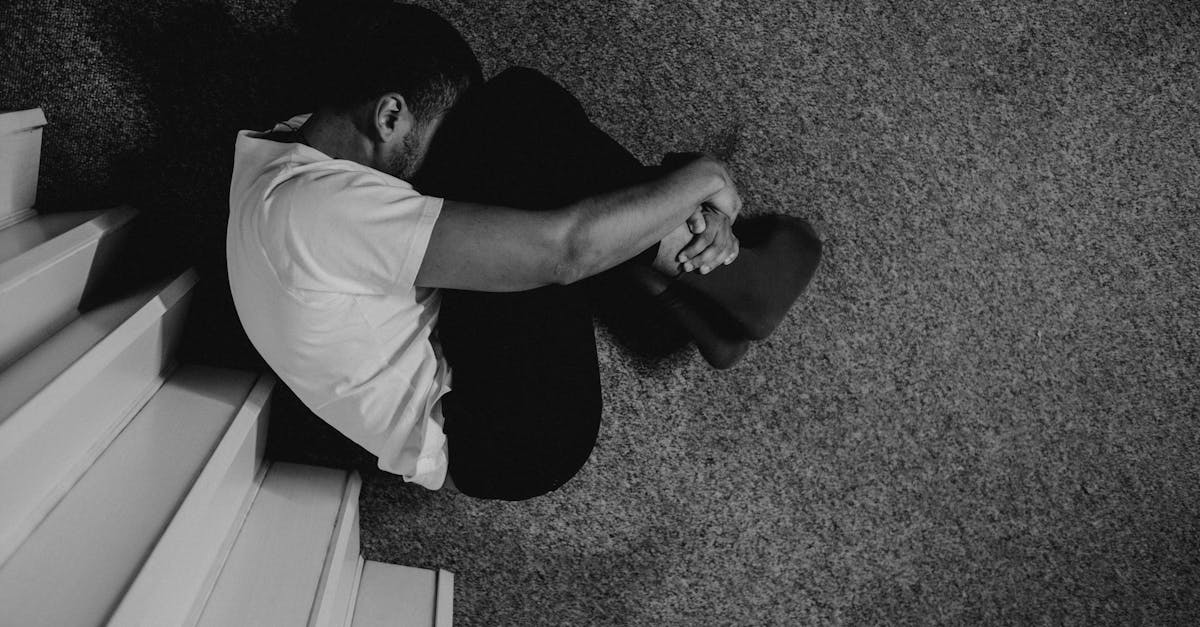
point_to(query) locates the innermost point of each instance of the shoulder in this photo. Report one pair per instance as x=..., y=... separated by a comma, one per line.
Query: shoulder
x=335, y=193
x=341, y=179
x=343, y=227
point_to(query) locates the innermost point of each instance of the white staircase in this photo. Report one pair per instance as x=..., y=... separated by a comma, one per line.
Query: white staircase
x=63, y=252
x=20, y=156
x=136, y=493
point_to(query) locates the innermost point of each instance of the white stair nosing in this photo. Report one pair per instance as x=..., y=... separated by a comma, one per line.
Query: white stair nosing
x=348, y=584
x=339, y=560
x=26, y=265
x=348, y=619
x=15, y=121
x=126, y=499
x=25, y=379
x=33, y=238
x=16, y=427
x=174, y=574
x=42, y=286
x=10, y=540
x=443, y=611
x=31, y=494
x=227, y=544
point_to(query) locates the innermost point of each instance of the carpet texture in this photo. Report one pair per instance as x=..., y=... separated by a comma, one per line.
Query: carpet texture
x=984, y=410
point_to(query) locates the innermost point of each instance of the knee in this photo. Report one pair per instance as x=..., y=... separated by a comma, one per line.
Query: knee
x=533, y=92
x=559, y=452
x=521, y=466
x=542, y=472
x=561, y=462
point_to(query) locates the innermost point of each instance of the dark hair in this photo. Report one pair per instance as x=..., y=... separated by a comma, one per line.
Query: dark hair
x=362, y=49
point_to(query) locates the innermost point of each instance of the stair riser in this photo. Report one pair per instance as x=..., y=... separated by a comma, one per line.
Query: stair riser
x=274, y=572
x=37, y=470
x=35, y=308
x=20, y=158
x=398, y=596
x=188, y=553
x=348, y=581
x=348, y=621
x=64, y=574
x=333, y=595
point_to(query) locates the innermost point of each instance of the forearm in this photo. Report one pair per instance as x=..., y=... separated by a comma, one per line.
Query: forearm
x=610, y=228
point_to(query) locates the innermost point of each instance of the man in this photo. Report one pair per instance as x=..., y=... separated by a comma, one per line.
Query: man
x=445, y=327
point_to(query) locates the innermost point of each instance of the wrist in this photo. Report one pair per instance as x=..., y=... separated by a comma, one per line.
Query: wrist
x=721, y=194
x=706, y=177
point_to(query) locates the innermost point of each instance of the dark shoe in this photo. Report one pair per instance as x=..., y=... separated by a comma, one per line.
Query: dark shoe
x=779, y=256
x=708, y=328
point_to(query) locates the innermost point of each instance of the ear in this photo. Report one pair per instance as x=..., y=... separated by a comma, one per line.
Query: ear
x=392, y=118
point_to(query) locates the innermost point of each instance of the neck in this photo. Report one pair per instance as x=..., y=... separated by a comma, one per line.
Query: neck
x=336, y=135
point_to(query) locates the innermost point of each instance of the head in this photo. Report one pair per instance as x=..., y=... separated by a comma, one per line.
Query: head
x=392, y=70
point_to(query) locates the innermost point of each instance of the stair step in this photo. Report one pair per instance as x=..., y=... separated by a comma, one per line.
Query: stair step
x=289, y=556
x=13, y=218
x=63, y=402
x=403, y=596
x=337, y=589
x=354, y=585
x=46, y=264
x=75, y=566
x=183, y=562
x=20, y=156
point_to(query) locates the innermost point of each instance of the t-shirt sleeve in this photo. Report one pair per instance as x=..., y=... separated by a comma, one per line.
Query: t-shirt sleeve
x=350, y=231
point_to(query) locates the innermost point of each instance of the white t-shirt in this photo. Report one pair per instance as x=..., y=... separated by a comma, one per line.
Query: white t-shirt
x=323, y=254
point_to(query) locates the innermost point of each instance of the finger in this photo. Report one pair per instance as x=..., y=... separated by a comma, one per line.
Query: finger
x=715, y=254
x=698, y=245
x=701, y=239
x=737, y=248
x=718, y=250
x=714, y=249
x=696, y=223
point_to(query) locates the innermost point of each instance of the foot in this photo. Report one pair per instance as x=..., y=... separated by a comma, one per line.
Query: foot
x=778, y=258
x=705, y=327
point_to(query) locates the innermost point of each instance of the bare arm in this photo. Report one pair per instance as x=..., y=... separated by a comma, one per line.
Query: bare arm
x=498, y=249
x=495, y=249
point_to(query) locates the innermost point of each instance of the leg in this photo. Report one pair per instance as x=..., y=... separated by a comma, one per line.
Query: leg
x=525, y=409
x=521, y=140
x=528, y=143
x=570, y=158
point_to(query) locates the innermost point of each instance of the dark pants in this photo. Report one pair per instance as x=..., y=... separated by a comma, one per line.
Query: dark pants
x=525, y=408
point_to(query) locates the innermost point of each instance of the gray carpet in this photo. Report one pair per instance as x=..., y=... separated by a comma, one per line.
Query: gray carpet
x=984, y=410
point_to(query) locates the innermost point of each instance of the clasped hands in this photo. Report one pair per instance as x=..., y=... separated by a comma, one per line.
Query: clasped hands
x=713, y=242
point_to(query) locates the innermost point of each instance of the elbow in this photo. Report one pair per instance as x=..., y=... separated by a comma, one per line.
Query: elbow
x=570, y=263
x=566, y=274
x=573, y=256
